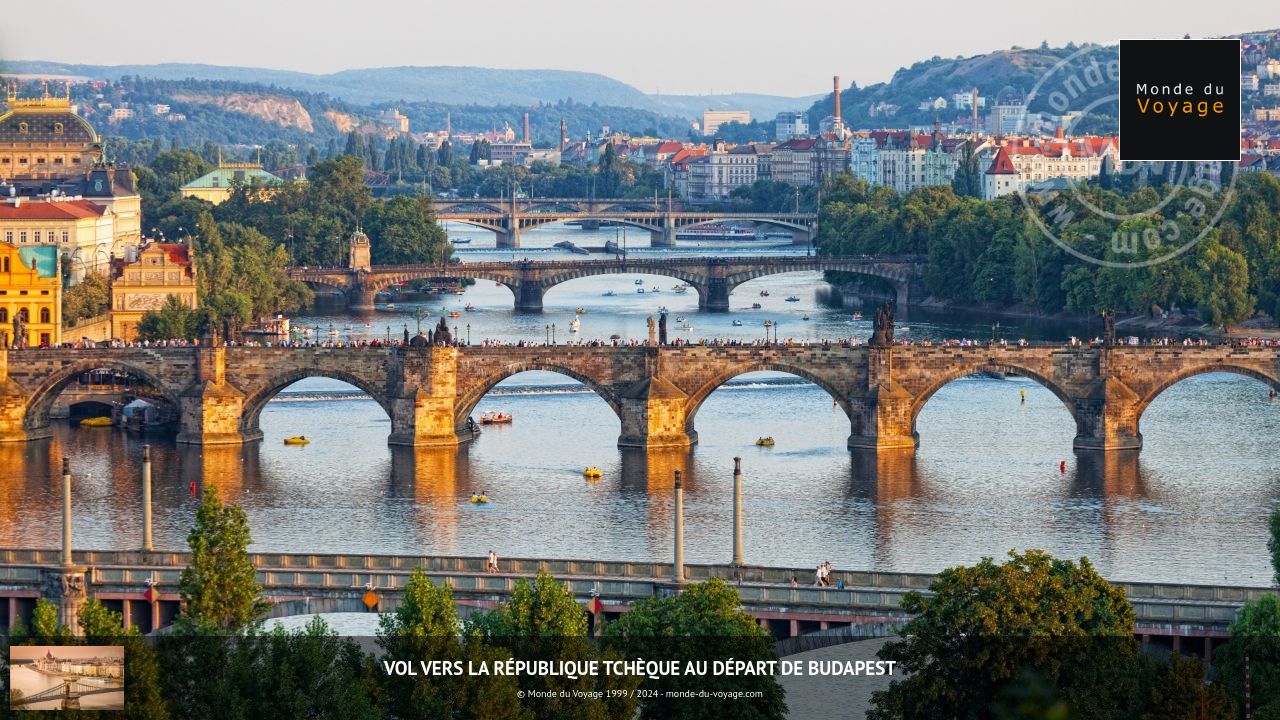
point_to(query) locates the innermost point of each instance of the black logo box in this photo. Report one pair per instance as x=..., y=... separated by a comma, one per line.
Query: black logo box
x=1188, y=65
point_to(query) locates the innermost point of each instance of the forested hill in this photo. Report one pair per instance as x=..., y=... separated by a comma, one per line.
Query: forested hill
x=230, y=112
x=1016, y=69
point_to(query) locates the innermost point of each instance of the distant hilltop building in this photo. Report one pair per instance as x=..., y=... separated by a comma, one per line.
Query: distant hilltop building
x=713, y=119
x=218, y=185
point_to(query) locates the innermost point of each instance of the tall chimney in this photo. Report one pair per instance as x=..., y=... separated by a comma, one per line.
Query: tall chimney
x=835, y=83
x=526, y=127
x=564, y=135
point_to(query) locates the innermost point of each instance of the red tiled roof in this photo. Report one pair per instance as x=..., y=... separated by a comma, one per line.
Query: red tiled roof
x=49, y=210
x=1001, y=164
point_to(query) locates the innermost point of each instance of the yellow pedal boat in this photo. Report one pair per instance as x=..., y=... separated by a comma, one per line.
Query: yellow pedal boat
x=297, y=440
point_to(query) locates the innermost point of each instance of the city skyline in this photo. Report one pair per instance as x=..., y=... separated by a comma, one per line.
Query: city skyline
x=877, y=44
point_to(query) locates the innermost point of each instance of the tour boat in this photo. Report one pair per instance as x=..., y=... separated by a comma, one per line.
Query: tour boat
x=765, y=441
x=496, y=417
x=793, y=298
x=574, y=325
x=592, y=473
x=715, y=231
x=96, y=422
x=297, y=440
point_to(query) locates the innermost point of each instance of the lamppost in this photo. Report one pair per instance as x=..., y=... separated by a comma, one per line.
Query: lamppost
x=547, y=333
x=468, y=333
x=553, y=333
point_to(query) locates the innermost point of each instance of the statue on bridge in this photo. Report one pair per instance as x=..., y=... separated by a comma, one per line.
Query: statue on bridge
x=882, y=326
x=1108, y=328
x=442, y=335
x=19, y=330
x=653, y=331
x=662, y=330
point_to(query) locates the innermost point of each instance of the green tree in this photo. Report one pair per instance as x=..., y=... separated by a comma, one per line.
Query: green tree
x=404, y=230
x=1225, y=299
x=87, y=299
x=985, y=626
x=173, y=321
x=1181, y=693
x=705, y=622
x=1273, y=543
x=144, y=695
x=542, y=621
x=1254, y=644
x=967, y=181
x=219, y=586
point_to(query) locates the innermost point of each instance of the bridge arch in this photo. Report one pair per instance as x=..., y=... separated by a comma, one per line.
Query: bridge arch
x=256, y=400
x=1214, y=367
x=40, y=401
x=699, y=396
x=472, y=396
x=922, y=397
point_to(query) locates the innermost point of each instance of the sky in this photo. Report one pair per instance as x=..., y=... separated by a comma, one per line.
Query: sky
x=669, y=46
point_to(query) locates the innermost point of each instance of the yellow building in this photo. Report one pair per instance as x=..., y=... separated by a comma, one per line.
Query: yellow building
x=30, y=296
x=145, y=283
x=218, y=185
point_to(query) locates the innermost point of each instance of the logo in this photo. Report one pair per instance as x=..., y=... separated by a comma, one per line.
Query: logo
x=1128, y=213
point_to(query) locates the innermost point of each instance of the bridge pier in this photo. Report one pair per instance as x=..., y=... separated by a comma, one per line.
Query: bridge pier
x=653, y=416
x=509, y=237
x=210, y=411
x=802, y=237
x=529, y=297
x=422, y=413
x=882, y=419
x=714, y=296
x=665, y=237
x=13, y=404
x=1107, y=417
x=360, y=298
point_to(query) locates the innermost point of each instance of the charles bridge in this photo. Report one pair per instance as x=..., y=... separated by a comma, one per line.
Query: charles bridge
x=714, y=278
x=430, y=392
x=508, y=217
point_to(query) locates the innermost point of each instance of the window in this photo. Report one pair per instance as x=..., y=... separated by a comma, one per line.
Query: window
x=22, y=127
x=37, y=238
x=4, y=266
x=22, y=236
x=44, y=339
x=45, y=316
x=8, y=236
x=57, y=128
x=66, y=237
x=4, y=314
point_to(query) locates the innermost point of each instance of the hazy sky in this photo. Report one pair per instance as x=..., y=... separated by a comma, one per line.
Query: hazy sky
x=680, y=46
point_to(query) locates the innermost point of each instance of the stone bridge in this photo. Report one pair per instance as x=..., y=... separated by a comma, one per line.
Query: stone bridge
x=429, y=392
x=713, y=278
x=507, y=218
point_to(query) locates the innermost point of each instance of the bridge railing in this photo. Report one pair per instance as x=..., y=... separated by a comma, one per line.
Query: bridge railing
x=122, y=567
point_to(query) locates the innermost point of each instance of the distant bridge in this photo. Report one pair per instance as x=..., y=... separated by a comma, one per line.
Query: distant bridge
x=70, y=692
x=508, y=218
x=714, y=278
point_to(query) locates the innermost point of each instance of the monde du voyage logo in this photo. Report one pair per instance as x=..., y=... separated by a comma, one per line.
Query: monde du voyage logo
x=1179, y=112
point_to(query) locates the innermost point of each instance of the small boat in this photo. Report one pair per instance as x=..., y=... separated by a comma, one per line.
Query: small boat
x=479, y=499
x=96, y=422
x=737, y=323
x=654, y=289
x=470, y=308
x=297, y=440
x=662, y=309
x=904, y=328
x=682, y=289
x=581, y=311
x=454, y=314
x=857, y=316
x=764, y=293
x=755, y=306
x=391, y=306
x=496, y=417
x=574, y=325
x=680, y=318
x=609, y=293
x=639, y=281
x=460, y=241
x=640, y=291
x=687, y=326
x=765, y=441
x=806, y=317
x=793, y=298
x=592, y=473
x=566, y=245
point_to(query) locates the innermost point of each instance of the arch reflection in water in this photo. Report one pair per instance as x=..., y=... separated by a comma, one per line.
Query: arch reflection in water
x=433, y=482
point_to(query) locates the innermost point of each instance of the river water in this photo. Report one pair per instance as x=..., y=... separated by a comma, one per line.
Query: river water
x=1191, y=507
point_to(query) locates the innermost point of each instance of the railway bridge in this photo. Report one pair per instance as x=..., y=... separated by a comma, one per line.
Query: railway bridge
x=430, y=392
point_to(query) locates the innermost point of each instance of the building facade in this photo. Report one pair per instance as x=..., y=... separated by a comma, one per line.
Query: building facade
x=787, y=125
x=218, y=185
x=713, y=119
x=30, y=296
x=145, y=282
x=83, y=231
